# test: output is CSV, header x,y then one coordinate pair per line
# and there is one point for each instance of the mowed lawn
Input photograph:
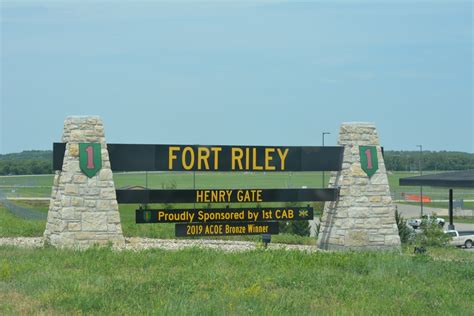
x,y
211,282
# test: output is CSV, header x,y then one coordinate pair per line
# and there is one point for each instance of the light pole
x,y
421,173
324,133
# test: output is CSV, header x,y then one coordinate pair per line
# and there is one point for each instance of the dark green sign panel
x,y
223,215
90,158
368,159
223,229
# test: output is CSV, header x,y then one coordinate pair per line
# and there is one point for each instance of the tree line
x,y
27,162
40,161
430,160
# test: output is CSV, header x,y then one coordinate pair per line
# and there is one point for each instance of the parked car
x,y
416,223
460,239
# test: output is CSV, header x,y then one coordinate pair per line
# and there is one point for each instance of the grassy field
x,y
460,219
40,186
14,226
445,205
207,282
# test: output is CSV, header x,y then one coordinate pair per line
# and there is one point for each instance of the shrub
x,y
300,228
431,235
404,231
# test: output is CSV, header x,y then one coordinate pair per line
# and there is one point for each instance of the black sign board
x,y
134,157
228,221
144,216
223,229
225,196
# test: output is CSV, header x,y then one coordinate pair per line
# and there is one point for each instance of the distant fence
x,y
21,211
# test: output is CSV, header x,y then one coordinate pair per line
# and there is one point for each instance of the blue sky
x,y
243,73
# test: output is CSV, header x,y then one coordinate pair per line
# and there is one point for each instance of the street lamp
x,y
421,173
324,133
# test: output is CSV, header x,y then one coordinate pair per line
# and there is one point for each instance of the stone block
x,y
380,210
362,181
347,223
362,200
79,179
357,238
71,189
103,205
66,201
114,205
92,182
74,226
90,203
105,184
61,226
375,199
112,228
71,166
107,194
377,238
56,179
378,178
348,181
113,217
374,222
77,201
66,178
357,171
83,235
94,221
388,231
105,175
68,213
90,191
357,212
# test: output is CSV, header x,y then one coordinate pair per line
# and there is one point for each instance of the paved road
x,y
411,211
28,198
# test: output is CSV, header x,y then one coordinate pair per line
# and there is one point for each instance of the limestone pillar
x,y
83,211
363,216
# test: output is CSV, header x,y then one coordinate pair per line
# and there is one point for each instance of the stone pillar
x,y
83,211
363,218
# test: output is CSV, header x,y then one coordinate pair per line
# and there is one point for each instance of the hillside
x,y
27,162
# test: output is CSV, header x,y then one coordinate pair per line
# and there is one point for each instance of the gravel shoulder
x,y
138,244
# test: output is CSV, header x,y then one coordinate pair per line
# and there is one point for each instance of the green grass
x,y
443,205
209,282
27,180
460,219
39,186
14,226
